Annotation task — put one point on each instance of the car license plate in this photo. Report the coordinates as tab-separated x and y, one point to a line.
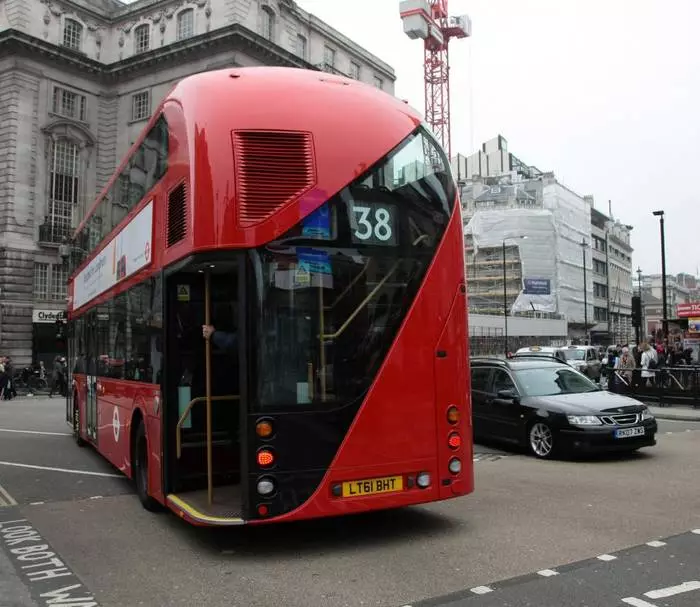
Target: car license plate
372	486
628	432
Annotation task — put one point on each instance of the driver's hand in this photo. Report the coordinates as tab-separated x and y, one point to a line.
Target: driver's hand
207	330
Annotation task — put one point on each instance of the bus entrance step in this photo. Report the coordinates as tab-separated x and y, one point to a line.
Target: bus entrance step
224	509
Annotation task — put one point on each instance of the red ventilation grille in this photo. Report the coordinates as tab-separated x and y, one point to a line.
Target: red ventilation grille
273	168
177	215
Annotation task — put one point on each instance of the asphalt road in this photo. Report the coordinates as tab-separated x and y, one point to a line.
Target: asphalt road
660	573
525	516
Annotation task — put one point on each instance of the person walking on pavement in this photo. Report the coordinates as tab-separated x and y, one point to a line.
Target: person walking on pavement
626	365
57	376
648	364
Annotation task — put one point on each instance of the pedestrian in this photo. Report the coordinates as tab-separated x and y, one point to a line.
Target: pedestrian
648	364
626	366
56	377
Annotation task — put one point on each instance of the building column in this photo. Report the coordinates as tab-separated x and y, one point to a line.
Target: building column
19	101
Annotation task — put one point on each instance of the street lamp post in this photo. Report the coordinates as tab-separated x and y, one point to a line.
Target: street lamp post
664	320
505	295
584	245
639	294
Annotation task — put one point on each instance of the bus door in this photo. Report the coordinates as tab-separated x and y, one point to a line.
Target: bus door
189	369
91	367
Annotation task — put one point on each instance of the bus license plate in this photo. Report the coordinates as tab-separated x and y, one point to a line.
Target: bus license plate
628	432
372	486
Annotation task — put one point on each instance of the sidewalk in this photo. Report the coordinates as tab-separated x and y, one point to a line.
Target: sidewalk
675	412
13	593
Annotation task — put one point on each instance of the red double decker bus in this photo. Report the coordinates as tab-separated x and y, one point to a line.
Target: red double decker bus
314	223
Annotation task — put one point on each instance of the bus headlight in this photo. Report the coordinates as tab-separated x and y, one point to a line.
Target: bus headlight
423	480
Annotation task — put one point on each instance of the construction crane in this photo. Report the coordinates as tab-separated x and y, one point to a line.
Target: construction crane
429	21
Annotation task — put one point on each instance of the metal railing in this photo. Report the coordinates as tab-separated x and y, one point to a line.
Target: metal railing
666	386
54	233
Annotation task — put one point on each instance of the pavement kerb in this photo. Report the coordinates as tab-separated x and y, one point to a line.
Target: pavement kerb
669	414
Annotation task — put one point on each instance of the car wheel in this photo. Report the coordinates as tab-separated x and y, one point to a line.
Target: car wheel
541	440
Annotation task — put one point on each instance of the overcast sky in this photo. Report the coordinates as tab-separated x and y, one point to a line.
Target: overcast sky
605	93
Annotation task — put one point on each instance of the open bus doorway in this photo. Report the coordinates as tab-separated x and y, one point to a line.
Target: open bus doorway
204	468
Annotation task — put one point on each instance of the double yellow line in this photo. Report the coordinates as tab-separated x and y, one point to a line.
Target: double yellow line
6	500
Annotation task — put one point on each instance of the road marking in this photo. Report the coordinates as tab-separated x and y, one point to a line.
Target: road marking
637	602
50	469
37	503
547	572
481	590
602	557
36	432
5	498
48	578
656	544
663	593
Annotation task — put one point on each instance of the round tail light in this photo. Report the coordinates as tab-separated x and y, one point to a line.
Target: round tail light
265	458
453	415
454	440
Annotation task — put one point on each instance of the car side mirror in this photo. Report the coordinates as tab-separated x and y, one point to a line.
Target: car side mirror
507	395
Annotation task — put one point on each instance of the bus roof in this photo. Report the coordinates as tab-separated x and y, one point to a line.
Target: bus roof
288	99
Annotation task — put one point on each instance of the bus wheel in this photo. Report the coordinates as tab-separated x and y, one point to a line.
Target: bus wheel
76	422
139	469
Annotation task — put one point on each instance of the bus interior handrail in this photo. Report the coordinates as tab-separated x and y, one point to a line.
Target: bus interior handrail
369	297
188	408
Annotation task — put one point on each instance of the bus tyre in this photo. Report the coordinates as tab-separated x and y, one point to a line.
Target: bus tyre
76	422
540	440
139	469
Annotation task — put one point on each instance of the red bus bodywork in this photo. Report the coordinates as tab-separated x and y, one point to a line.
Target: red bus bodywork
401	427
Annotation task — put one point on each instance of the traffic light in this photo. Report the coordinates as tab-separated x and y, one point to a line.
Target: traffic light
636	311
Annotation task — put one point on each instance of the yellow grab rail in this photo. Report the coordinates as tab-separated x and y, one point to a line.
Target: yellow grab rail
188	408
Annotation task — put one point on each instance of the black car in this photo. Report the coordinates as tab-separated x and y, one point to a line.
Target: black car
552	408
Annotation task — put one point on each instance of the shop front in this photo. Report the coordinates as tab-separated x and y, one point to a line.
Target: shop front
46	344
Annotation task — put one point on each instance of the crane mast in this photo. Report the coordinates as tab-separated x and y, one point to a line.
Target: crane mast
429	20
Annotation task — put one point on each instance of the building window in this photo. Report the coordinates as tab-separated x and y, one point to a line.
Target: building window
41	281
185	24
69	104
378	82
141	106
142	38
600	314
354	70
63	194
59	278
329	56
301	46
600	267
267	23
600	290
72	34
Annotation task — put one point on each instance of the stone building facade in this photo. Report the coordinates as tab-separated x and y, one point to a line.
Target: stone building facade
78	81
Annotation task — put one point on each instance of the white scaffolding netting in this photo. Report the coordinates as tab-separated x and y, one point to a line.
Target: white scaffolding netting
553	227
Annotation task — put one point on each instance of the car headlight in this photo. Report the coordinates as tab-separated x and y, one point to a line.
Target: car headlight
584	420
646	414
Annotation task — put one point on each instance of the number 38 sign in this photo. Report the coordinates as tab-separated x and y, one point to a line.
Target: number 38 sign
373	224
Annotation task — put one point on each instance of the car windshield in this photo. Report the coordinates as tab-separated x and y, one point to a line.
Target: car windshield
574	354
550	381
